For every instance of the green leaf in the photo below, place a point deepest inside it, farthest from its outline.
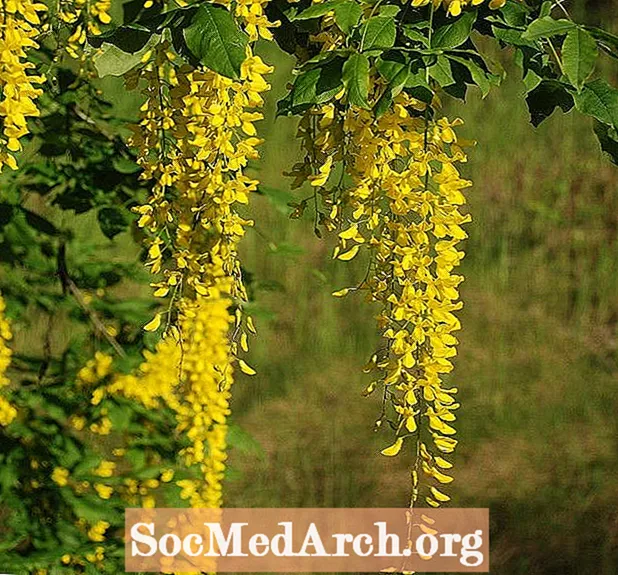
(389, 10)
(112, 61)
(416, 35)
(129, 39)
(454, 33)
(546, 8)
(318, 85)
(531, 80)
(347, 15)
(417, 87)
(547, 27)
(316, 10)
(244, 442)
(545, 98)
(215, 39)
(395, 86)
(125, 165)
(390, 64)
(515, 13)
(579, 55)
(608, 138)
(479, 76)
(599, 100)
(6, 213)
(90, 508)
(356, 80)
(441, 71)
(511, 36)
(112, 221)
(378, 33)
(40, 223)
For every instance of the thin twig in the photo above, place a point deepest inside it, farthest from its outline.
(69, 285)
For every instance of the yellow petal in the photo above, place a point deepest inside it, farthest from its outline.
(443, 463)
(245, 368)
(411, 424)
(370, 388)
(154, 323)
(439, 495)
(244, 345)
(349, 233)
(393, 449)
(350, 254)
(250, 325)
(427, 530)
(341, 292)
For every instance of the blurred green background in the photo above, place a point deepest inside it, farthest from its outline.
(538, 362)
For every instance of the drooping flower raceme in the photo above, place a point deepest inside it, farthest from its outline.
(83, 17)
(7, 411)
(401, 212)
(20, 26)
(193, 377)
(195, 139)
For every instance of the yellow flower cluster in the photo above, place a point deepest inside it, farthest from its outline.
(454, 7)
(20, 27)
(60, 476)
(251, 14)
(95, 369)
(194, 140)
(155, 382)
(193, 377)
(196, 136)
(83, 17)
(97, 532)
(7, 411)
(208, 376)
(402, 210)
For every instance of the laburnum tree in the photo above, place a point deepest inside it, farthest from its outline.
(131, 409)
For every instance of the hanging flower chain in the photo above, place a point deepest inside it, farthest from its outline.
(194, 142)
(391, 189)
(7, 411)
(20, 24)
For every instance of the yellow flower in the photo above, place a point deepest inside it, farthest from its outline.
(78, 423)
(103, 491)
(20, 29)
(455, 7)
(7, 411)
(105, 469)
(60, 476)
(211, 121)
(167, 475)
(402, 208)
(97, 531)
(96, 369)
